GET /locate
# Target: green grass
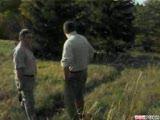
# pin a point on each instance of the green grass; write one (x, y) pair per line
(6, 47)
(111, 94)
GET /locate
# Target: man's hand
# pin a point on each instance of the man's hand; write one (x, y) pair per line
(19, 96)
(19, 86)
(66, 73)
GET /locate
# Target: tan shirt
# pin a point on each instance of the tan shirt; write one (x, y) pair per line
(77, 52)
(24, 58)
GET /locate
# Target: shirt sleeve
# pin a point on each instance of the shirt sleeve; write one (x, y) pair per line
(67, 55)
(91, 50)
(19, 59)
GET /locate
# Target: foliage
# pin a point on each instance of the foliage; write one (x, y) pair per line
(10, 19)
(107, 24)
(46, 19)
(111, 94)
(9, 5)
(148, 24)
(98, 20)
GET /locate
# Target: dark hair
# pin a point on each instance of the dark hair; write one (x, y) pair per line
(69, 26)
(23, 33)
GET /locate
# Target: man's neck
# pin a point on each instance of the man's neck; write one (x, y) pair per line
(70, 34)
(26, 45)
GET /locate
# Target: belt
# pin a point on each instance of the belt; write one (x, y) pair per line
(77, 71)
(28, 75)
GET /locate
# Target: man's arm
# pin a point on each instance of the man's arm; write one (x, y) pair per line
(19, 63)
(19, 73)
(66, 72)
(91, 51)
(67, 58)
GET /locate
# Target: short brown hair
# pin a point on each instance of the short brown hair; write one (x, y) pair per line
(23, 33)
(69, 26)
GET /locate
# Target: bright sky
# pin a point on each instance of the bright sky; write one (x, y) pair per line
(140, 1)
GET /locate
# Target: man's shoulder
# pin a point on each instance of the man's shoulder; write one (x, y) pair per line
(82, 36)
(79, 37)
(67, 42)
(73, 40)
(18, 50)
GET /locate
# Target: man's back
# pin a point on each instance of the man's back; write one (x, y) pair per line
(80, 52)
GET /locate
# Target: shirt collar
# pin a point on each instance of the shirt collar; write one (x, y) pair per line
(70, 34)
(22, 44)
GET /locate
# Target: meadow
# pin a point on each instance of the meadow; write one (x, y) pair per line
(116, 91)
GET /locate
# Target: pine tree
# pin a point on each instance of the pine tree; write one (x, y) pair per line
(115, 26)
(46, 18)
(106, 23)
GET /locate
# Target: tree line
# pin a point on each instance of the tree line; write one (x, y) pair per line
(111, 26)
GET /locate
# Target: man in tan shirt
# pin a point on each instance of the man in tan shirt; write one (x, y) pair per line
(77, 53)
(25, 71)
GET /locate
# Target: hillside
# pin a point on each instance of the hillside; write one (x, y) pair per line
(114, 91)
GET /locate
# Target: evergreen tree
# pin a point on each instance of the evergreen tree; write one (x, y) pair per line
(115, 26)
(9, 19)
(147, 25)
(106, 23)
(46, 18)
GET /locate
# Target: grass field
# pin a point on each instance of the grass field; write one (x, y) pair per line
(112, 94)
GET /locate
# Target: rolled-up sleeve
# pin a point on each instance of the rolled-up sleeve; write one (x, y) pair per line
(19, 59)
(67, 56)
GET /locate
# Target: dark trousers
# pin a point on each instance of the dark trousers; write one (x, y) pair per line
(28, 84)
(74, 92)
